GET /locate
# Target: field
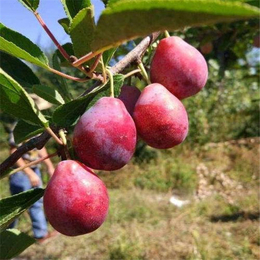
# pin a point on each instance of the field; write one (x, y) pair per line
(221, 220)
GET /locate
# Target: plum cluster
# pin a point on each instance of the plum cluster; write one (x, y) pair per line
(76, 200)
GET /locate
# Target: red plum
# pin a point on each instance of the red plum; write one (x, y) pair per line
(75, 201)
(105, 135)
(179, 67)
(161, 119)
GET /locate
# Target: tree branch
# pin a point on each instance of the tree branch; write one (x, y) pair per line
(40, 141)
(36, 142)
(135, 54)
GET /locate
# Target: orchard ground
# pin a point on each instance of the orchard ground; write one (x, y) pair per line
(143, 224)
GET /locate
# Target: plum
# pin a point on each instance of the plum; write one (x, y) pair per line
(75, 201)
(105, 135)
(129, 96)
(179, 67)
(161, 119)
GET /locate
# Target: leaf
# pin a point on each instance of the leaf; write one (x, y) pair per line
(73, 7)
(32, 5)
(24, 131)
(49, 94)
(67, 114)
(18, 70)
(13, 242)
(65, 23)
(128, 19)
(19, 46)
(15, 101)
(12, 207)
(62, 85)
(82, 31)
(107, 55)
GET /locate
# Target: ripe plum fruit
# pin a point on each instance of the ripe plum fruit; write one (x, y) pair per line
(75, 201)
(105, 135)
(179, 67)
(161, 119)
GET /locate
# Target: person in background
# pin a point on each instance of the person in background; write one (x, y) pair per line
(30, 178)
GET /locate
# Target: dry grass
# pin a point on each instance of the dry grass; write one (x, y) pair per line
(142, 224)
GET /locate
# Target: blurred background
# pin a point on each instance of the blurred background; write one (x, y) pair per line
(198, 200)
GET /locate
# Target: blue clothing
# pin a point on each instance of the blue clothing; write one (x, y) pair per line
(19, 182)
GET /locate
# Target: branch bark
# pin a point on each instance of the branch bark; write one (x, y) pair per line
(36, 142)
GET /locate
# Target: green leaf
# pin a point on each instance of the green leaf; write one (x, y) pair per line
(49, 94)
(13, 242)
(82, 31)
(128, 19)
(107, 55)
(62, 85)
(19, 46)
(24, 131)
(12, 207)
(32, 5)
(65, 23)
(73, 7)
(67, 114)
(18, 70)
(15, 101)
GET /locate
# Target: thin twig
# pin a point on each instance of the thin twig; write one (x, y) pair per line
(68, 76)
(85, 58)
(33, 163)
(60, 48)
(94, 65)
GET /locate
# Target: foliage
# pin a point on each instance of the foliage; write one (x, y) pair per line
(123, 21)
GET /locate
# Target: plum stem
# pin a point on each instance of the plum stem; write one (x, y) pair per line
(143, 72)
(33, 163)
(110, 75)
(166, 33)
(131, 73)
(63, 136)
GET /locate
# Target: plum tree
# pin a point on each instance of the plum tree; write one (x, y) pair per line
(105, 136)
(179, 67)
(100, 53)
(75, 201)
(161, 119)
(129, 96)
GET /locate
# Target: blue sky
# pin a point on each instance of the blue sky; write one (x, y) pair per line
(15, 16)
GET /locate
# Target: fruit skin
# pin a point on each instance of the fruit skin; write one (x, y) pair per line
(179, 67)
(75, 201)
(161, 119)
(105, 136)
(129, 96)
